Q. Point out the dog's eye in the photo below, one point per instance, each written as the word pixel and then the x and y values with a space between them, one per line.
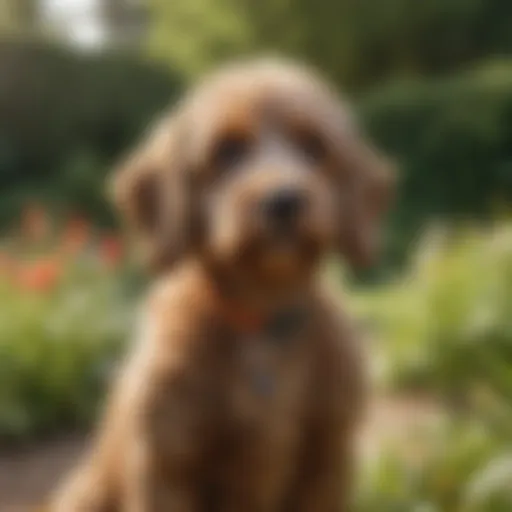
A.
pixel 312 146
pixel 230 151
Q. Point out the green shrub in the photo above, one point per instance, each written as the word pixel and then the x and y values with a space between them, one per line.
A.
pixel 60 107
pixel 444 329
pixel 461 467
pixel 445 325
pixel 55 355
pixel 358 43
pixel 65 308
pixel 453 140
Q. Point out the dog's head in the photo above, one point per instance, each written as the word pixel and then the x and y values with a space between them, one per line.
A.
pixel 260 170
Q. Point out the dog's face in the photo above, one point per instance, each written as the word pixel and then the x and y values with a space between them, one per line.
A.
pixel 261 171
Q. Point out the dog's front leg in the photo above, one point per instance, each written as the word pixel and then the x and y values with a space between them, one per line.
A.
pixel 87 490
pixel 328 464
pixel 164 449
pixel 149 492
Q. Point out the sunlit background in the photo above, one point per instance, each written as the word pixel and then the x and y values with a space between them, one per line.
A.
pixel 432 80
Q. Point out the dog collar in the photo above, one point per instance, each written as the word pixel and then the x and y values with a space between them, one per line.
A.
pixel 281 324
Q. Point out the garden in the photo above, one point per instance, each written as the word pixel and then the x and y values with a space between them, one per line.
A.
pixel 430 81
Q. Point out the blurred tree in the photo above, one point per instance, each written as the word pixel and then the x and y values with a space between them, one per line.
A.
pixel 362 41
pixel 357 42
pixel 193 35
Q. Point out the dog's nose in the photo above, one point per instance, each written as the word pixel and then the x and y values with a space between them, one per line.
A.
pixel 284 205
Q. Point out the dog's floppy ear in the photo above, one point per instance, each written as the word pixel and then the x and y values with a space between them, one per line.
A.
pixel 148 190
pixel 367 182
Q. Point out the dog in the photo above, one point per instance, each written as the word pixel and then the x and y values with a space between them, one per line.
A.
pixel 245 387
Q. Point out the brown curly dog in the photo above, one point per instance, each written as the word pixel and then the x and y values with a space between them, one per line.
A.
pixel 245 387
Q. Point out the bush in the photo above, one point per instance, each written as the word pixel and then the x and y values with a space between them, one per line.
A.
pixel 454 141
pixel 358 43
pixel 445 326
pixel 63 110
pixel 459 467
pixel 64 312
pixel 444 330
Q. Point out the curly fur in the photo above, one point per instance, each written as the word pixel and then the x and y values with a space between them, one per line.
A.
pixel 186 428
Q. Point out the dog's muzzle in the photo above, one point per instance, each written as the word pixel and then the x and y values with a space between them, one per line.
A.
pixel 282 208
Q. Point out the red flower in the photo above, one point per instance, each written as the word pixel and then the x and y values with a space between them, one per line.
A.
pixel 111 250
pixel 39 276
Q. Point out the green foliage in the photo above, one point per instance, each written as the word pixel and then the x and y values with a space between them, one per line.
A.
pixel 356 42
pixel 453 139
pixel 65 307
pixel 56 352
pixel 445 326
pixel 194 35
pixel 62 111
pixel 444 330
pixel 460 467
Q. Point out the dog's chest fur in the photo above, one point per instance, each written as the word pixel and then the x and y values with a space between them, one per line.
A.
pixel 235 415
pixel 245 419
pixel 264 405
